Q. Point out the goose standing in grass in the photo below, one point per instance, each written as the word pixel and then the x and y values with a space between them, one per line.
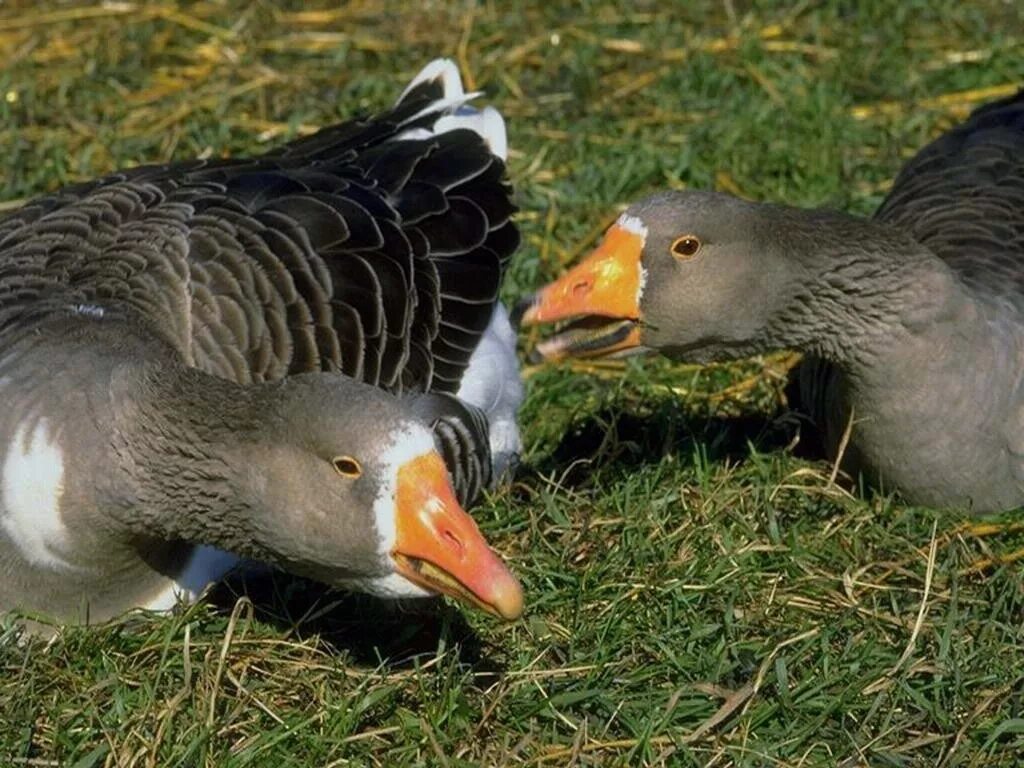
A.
pixel 912 322
pixel 245 358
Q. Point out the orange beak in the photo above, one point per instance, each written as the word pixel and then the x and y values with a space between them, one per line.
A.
pixel 438 546
pixel 606 284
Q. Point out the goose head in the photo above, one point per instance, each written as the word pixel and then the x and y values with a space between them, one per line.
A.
pixel 683 273
pixel 320 475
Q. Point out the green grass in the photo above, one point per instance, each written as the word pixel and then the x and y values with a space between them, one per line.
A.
pixel 698 594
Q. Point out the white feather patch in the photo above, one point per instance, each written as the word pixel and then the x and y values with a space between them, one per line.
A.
pixel 492 382
pixel 89 310
pixel 408 443
pixel 488 123
pixel 167 598
pixel 444 106
pixel 446 70
pixel 634 225
pixel 205 566
pixel 413 134
pixel 32 484
pixel 391 586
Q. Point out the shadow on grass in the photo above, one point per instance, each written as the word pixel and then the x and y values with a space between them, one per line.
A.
pixel 626 439
pixel 369 630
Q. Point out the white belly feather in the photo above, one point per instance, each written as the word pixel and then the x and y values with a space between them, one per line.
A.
pixel 492 383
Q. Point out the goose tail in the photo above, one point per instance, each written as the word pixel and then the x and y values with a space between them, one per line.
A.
pixel 437 102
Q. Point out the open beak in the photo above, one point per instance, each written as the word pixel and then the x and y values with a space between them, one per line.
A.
pixel 439 547
pixel 602 293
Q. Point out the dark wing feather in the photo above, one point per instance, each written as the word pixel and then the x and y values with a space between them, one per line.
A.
pixel 963 197
pixel 346 251
pixel 121 250
pixel 461 435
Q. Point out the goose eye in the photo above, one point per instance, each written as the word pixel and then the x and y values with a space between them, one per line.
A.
pixel 346 466
pixel 685 247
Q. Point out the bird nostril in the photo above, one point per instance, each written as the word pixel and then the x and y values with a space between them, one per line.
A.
pixel 581 288
pixel 453 541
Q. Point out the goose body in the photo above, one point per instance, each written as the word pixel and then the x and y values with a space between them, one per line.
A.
pixel 912 322
pixel 263 358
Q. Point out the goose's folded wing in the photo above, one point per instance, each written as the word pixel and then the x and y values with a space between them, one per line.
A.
pixel 102 255
pixel 375 247
pixel 963 197
pixel 461 434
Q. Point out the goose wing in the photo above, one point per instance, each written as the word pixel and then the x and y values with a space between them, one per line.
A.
pixel 962 196
pixel 375 247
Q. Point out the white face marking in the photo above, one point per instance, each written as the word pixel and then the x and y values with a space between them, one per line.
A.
pixel 634 225
pixel 32 486
pixel 641 284
pixel 408 443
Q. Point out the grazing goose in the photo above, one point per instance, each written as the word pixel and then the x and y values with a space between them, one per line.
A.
pixel 912 322
pixel 245 358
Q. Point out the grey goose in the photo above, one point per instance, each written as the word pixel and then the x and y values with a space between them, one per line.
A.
pixel 911 323
pixel 298 358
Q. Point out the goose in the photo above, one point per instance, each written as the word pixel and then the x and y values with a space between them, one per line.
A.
pixel 297 359
pixel 911 322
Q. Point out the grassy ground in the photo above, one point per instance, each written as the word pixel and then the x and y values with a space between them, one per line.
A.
pixel 699 594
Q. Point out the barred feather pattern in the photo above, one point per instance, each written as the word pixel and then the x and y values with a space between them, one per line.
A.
pixel 961 196
pixel 374 248
pixel 461 434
